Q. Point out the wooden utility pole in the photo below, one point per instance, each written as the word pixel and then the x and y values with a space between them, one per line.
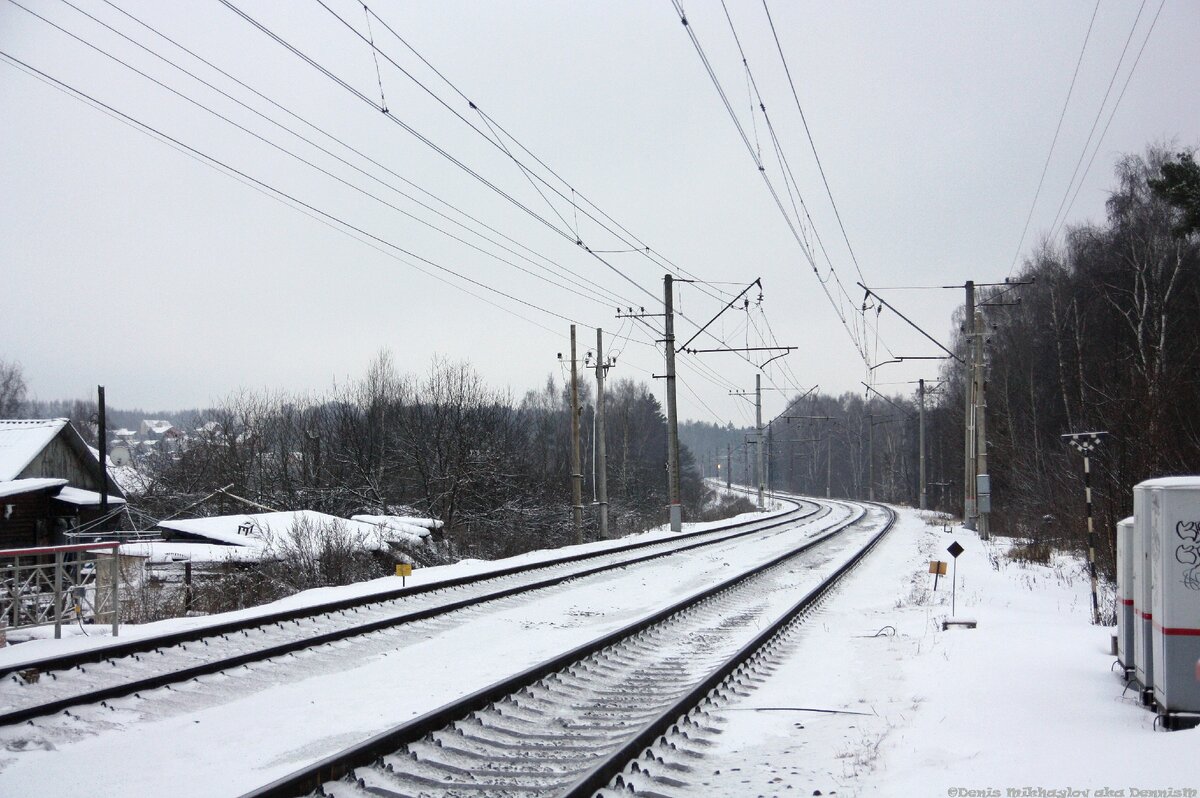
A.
pixel 969 384
pixel 601 451
pixel 676 509
pixel 576 466
pixel 921 436
pixel 758 429
pixel 102 446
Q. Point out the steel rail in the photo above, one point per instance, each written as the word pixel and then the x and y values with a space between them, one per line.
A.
pixel 341 764
pixel 603 773
pixel 125 688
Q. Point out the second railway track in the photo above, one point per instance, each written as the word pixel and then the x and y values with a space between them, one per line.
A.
pixel 43 687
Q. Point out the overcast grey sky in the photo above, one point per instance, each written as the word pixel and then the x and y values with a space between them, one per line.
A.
pixel 130 263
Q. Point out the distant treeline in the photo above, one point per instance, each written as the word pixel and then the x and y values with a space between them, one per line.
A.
pixel 442 445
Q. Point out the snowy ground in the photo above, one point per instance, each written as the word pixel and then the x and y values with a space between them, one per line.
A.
pixel 1023 705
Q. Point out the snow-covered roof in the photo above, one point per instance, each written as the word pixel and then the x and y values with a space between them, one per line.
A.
pixel 84 498
pixel 14 487
pixel 21 440
pixel 1171 482
pixel 401 528
pixel 260 530
pixel 178 551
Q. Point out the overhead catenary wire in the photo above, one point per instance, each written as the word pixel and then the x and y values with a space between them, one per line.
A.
pixel 393 118
pixel 493 139
pixel 270 189
pixel 820 168
pixel 285 150
pixel 1054 140
pixel 579 282
pixel 1099 112
pixel 1112 114
pixel 641 247
pixel 711 72
pixel 493 127
pixel 322 215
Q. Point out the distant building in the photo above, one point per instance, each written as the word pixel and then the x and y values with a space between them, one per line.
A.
pixel 155 428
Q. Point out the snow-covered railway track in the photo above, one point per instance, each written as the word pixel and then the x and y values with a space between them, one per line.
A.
pixel 47 686
pixel 583 721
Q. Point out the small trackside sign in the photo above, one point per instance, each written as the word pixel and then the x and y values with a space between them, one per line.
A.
pixel 403 570
pixel 937 568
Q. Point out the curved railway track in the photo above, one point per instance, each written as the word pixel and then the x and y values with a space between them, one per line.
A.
pixel 583 722
pixel 49 685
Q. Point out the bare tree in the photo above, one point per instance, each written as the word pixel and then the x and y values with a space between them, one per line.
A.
pixel 12 389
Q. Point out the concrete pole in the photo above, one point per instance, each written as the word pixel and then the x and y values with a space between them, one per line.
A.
pixel 601 449
pixel 728 466
pixel 981 465
pixel 870 457
pixel 969 412
pixel 576 466
pixel 921 437
pixel 770 452
pixel 672 418
pixel 758 428
pixel 828 463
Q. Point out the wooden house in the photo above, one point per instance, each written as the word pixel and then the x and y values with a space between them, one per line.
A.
pixel 49 484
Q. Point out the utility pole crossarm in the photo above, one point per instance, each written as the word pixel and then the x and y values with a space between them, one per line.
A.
pixel 884 398
pixel 757 281
pixel 785 349
pixel 910 322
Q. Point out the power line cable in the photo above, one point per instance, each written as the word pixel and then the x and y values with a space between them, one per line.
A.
pixel 641 247
pixel 811 143
pixel 493 138
pixel 1099 112
pixel 270 188
pixel 284 150
pixel 1113 113
pixel 1057 128
pixel 568 275
pixel 709 69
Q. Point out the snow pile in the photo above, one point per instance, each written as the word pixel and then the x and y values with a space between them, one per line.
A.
pixel 401 528
pixel 271 531
pixel 158 552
